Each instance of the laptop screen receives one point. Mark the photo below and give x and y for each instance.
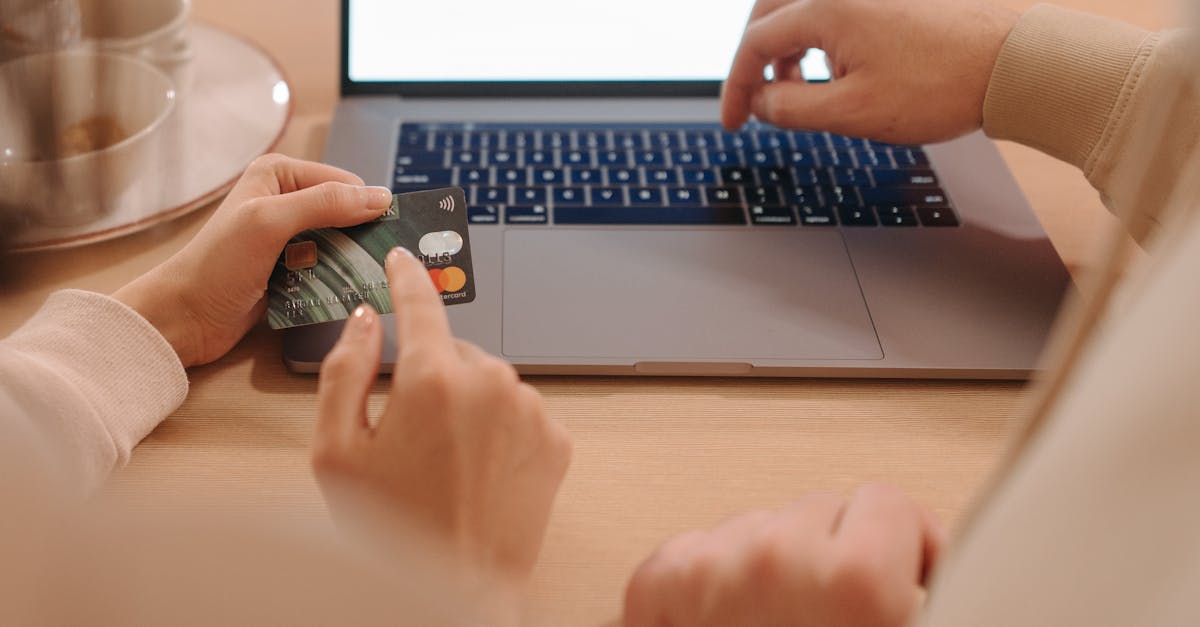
(530, 42)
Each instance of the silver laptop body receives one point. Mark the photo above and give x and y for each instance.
(758, 298)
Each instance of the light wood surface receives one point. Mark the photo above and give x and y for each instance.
(653, 457)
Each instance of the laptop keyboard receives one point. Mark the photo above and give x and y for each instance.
(672, 174)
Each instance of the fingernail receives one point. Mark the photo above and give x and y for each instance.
(396, 253)
(378, 198)
(360, 321)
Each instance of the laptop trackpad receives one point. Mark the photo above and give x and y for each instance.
(672, 296)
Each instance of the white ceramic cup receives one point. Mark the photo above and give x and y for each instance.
(43, 96)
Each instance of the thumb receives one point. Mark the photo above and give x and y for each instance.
(327, 204)
(802, 105)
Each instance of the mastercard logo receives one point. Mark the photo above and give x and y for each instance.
(449, 279)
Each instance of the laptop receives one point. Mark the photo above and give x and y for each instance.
(616, 229)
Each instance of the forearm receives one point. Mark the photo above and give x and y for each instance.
(1104, 96)
(91, 378)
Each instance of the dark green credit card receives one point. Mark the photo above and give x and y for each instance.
(325, 274)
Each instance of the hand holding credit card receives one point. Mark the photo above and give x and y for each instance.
(324, 274)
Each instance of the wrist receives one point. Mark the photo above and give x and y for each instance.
(164, 310)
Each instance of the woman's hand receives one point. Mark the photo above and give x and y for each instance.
(905, 72)
(206, 297)
(463, 450)
(824, 561)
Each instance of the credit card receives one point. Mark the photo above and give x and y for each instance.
(323, 275)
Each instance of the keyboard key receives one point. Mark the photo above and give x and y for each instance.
(585, 176)
(773, 140)
(593, 139)
(540, 158)
(868, 157)
(491, 196)
(664, 139)
(618, 158)
(904, 196)
(684, 197)
(645, 196)
(519, 140)
(803, 195)
(686, 158)
(848, 176)
(629, 140)
(762, 158)
(909, 156)
(896, 216)
(734, 140)
(511, 176)
(526, 214)
(661, 176)
(843, 141)
(771, 215)
(832, 158)
(503, 158)
(804, 158)
(483, 214)
(623, 176)
(892, 177)
(763, 195)
(649, 157)
(775, 175)
(487, 139)
(413, 138)
(569, 196)
(937, 216)
(846, 196)
(816, 216)
(421, 159)
(608, 197)
(649, 215)
(737, 176)
(530, 196)
(432, 178)
(467, 158)
(807, 176)
(578, 158)
(699, 139)
(474, 176)
(727, 196)
(449, 140)
(556, 140)
(696, 176)
(548, 176)
(856, 216)
(805, 140)
(721, 158)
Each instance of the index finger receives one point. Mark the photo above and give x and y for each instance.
(284, 175)
(421, 322)
(788, 31)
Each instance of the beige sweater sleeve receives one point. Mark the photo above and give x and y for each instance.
(86, 379)
(1109, 98)
(1093, 520)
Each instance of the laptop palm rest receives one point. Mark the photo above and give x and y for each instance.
(679, 296)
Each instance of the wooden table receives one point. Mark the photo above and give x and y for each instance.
(653, 456)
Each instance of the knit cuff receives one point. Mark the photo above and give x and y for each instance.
(1060, 80)
(124, 368)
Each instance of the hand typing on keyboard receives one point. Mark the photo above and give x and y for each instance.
(905, 72)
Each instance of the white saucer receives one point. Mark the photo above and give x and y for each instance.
(235, 109)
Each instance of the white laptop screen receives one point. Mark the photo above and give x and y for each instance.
(461, 41)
